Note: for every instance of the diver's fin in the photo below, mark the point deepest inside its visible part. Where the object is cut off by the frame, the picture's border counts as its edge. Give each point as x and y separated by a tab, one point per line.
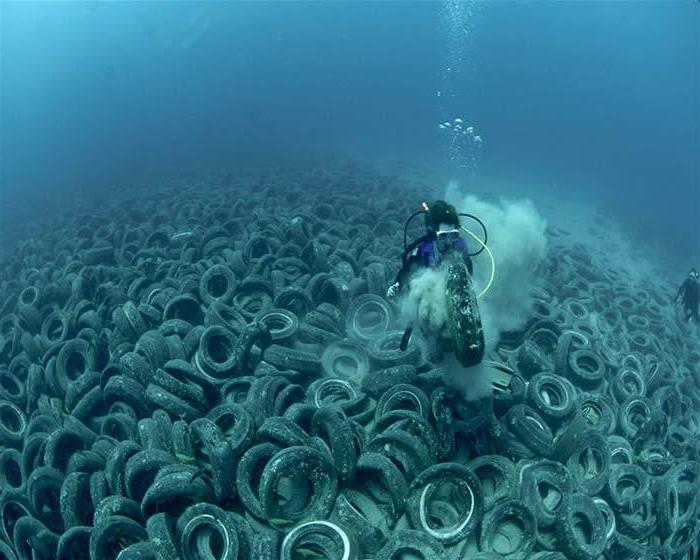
498	374
406	338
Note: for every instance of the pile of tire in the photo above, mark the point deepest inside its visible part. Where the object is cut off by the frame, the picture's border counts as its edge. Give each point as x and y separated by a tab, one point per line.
216	374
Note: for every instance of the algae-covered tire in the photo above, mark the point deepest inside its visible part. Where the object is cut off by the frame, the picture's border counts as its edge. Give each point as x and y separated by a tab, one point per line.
463	317
581	529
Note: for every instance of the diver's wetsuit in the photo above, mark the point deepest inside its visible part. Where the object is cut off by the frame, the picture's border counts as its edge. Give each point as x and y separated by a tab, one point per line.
424	253
690	292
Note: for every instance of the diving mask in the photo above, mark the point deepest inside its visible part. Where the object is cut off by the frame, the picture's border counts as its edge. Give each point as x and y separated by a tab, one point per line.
446	238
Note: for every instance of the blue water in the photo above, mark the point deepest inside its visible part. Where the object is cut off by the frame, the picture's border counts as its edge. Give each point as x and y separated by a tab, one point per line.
600	101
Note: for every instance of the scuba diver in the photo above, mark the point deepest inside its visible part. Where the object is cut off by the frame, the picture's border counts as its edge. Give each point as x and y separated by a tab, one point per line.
689	293
442	244
442	239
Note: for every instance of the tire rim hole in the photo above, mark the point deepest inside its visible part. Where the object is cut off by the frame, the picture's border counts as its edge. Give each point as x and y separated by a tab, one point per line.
13	473
627	486
590	462
673	505
75	365
582	528
552	396
294	492
10	419
334	393
490	478
219	348
208	538
632	383
217	286
10	385
550	496
54	330
508	535
403	400
637	414
277	323
345	366
588	364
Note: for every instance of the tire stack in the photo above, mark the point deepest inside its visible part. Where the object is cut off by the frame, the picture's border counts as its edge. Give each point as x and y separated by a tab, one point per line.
217	374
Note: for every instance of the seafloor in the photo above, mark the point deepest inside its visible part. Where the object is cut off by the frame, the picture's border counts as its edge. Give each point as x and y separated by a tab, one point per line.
214	373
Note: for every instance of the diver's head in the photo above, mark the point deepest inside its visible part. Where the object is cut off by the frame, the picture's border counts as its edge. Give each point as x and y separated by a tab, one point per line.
694	274
440	213
446	237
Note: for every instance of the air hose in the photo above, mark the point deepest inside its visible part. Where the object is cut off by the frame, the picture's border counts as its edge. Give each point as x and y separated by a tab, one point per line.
490	254
483	227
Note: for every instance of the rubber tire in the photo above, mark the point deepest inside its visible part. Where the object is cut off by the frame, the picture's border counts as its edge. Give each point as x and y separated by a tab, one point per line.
463	317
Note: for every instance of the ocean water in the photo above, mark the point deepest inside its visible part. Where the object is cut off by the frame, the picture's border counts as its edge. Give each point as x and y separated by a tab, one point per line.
596	102
170	172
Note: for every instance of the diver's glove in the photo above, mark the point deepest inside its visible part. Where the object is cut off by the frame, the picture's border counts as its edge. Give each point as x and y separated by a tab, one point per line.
393	290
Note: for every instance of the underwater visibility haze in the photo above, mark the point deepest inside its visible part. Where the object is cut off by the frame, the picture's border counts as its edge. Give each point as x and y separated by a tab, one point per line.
349	280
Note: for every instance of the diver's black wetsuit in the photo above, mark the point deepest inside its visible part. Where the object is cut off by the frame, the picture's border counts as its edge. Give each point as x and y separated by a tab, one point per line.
690	292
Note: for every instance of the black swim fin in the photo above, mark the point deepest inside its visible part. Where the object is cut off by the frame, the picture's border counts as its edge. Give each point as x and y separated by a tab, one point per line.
498	374
406	338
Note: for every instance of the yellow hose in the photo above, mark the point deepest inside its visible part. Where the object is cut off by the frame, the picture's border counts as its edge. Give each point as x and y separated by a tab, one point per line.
490	254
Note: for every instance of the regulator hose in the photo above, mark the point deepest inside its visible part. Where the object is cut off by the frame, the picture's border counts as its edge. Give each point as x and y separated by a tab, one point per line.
490	254
483	227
